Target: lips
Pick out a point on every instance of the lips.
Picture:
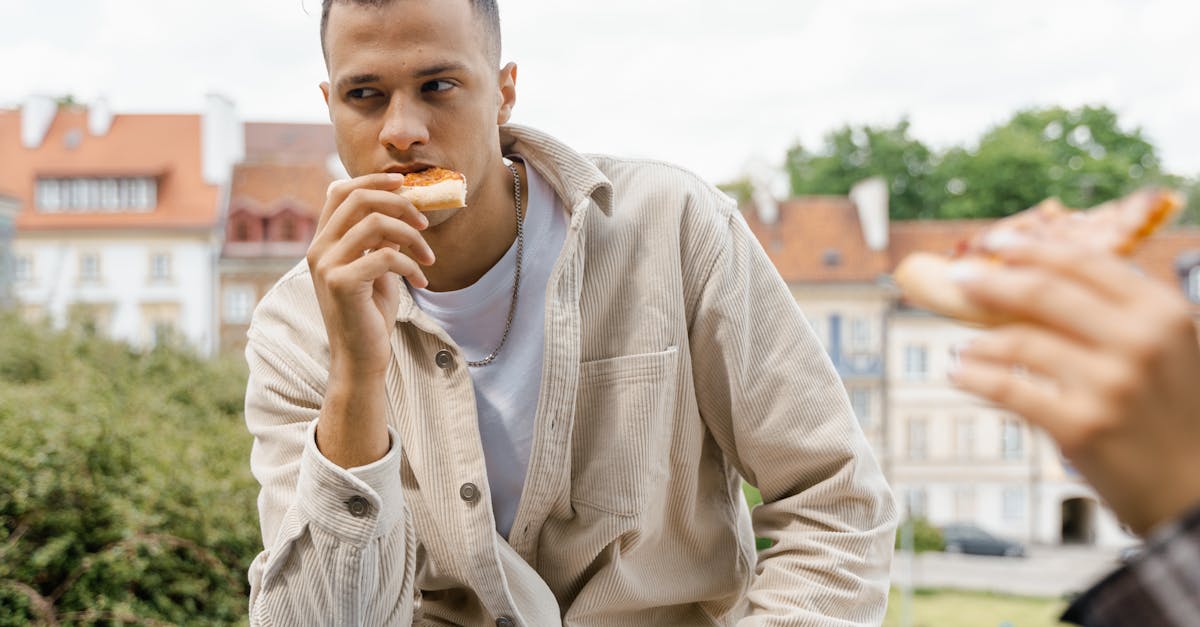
(408, 168)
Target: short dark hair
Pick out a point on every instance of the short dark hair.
(486, 12)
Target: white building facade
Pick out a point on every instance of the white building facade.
(139, 287)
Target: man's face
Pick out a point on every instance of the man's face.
(411, 85)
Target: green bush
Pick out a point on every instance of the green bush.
(125, 492)
(926, 537)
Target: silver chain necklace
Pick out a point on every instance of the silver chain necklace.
(512, 307)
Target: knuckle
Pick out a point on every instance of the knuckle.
(1121, 384)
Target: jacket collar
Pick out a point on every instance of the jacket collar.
(573, 176)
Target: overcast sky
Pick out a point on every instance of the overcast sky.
(712, 85)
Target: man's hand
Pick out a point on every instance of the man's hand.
(1102, 358)
(367, 238)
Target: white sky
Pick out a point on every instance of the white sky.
(712, 85)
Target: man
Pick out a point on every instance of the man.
(1118, 389)
(537, 409)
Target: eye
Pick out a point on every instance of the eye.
(438, 86)
(362, 93)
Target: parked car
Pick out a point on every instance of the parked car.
(964, 538)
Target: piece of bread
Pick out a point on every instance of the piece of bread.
(435, 189)
(1115, 227)
(927, 282)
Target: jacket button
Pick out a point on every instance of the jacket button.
(444, 360)
(505, 621)
(469, 492)
(358, 506)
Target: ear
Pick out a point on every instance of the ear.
(507, 82)
(325, 93)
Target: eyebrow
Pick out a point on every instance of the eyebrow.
(357, 79)
(433, 70)
(442, 68)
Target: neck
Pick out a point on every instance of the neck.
(475, 238)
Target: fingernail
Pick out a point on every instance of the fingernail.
(396, 176)
(1003, 239)
(423, 221)
(964, 271)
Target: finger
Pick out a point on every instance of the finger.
(362, 203)
(1032, 295)
(377, 263)
(1040, 404)
(375, 231)
(1107, 274)
(1039, 351)
(338, 191)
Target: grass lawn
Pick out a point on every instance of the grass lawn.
(952, 608)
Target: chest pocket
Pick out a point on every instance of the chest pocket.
(620, 447)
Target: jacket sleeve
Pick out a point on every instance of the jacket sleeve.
(1160, 586)
(339, 544)
(775, 405)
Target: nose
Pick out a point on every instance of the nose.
(403, 127)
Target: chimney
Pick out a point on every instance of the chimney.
(766, 184)
(222, 145)
(871, 198)
(100, 117)
(37, 115)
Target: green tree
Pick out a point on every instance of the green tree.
(853, 153)
(1082, 156)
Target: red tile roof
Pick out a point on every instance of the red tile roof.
(810, 233)
(165, 146)
(810, 228)
(266, 188)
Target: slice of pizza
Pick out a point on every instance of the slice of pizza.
(1115, 227)
(435, 188)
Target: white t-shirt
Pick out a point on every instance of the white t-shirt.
(506, 390)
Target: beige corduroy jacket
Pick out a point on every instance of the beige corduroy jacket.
(676, 362)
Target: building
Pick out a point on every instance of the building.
(839, 279)
(948, 456)
(118, 226)
(9, 206)
(275, 199)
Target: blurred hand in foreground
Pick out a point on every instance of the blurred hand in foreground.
(1105, 360)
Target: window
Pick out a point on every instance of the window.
(48, 195)
(916, 363)
(964, 437)
(1011, 439)
(860, 334)
(1193, 284)
(161, 322)
(241, 231)
(918, 439)
(287, 230)
(110, 194)
(160, 266)
(96, 194)
(239, 303)
(860, 400)
(1013, 503)
(964, 503)
(917, 502)
(24, 269)
(89, 267)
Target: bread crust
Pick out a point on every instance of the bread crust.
(927, 282)
(1116, 227)
(445, 194)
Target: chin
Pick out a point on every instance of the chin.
(441, 216)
